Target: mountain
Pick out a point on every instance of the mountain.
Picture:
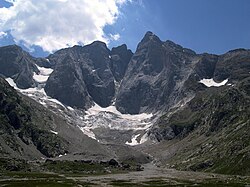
(211, 132)
(29, 131)
(18, 64)
(184, 110)
(26, 131)
(212, 127)
(156, 71)
(84, 75)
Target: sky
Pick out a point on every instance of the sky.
(42, 27)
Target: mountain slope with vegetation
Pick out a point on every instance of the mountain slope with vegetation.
(24, 126)
(210, 133)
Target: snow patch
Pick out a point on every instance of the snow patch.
(54, 101)
(144, 138)
(36, 93)
(40, 78)
(133, 140)
(70, 108)
(87, 131)
(111, 118)
(43, 75)
(65, 154)
(96, 109)
(11, 82)
(54, 132)
(211, 82)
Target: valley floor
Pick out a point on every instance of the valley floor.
(150, 176)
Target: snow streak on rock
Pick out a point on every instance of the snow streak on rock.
(211, 82)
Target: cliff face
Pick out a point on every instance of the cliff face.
(85, 75)
(18, 64)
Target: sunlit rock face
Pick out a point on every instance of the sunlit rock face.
(154, 73)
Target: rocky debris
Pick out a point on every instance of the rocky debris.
(201, 166)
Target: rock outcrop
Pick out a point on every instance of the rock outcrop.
(153, 75)
(17, 64)
(84, 75)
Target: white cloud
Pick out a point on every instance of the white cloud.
(55, 24)
(115, 37)
(2, 34)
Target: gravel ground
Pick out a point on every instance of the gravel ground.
(153, 173)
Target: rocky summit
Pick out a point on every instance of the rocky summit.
(163, 104)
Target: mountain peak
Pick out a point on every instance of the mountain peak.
(98, 44)
(150, 36)
(12, 48)
(148, 39)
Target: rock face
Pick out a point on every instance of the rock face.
(17, 64)
(152, 75)
(66, 84)
(232, 67)
(120, 57)
(214, 121)
(83, 75)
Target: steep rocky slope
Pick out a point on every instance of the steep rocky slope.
(211, 131)
(155, 76)
(25, 131)
(30, 131)
(18, 64)
(84, 75)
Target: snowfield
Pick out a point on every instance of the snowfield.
(211, 82)
(36, 93)
(110, 118)
(96, 109)
(95, 117)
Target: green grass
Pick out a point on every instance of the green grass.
(19, 179)
(124, 183)
(164, 182)
(37, 183)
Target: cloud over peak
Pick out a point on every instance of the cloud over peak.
(55, 24)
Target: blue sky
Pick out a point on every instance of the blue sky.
(213, 26)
